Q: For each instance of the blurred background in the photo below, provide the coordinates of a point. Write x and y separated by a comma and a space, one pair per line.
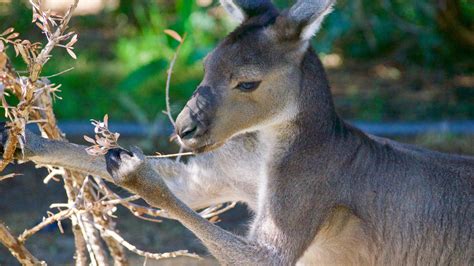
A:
388, 61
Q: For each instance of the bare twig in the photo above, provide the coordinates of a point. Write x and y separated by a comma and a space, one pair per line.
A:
87, 239
156, 256
51, 219
213, 211
16, 248
180, 39
170, 72
8, 176
171, 155
60, 73
137, 210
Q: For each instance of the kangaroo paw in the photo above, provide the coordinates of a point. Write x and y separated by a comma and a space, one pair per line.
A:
122, 165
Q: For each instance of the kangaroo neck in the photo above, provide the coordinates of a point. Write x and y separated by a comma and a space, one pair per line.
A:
315, 127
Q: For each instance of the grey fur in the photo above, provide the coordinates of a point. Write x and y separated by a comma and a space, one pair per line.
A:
244, 9
306, 11
322, 191
310, 15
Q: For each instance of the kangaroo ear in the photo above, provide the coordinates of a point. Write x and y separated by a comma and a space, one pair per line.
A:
244, 9
308, 15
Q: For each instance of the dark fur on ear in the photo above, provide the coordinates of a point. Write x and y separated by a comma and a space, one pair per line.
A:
244, 9
286, 29
302, 20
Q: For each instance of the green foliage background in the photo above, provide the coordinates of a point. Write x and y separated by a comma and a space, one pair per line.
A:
123, 56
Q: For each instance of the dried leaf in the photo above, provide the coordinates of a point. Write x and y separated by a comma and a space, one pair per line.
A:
24, 53
103, 142
73, 41
35, 16
17, 52
47, 27
7, 31
13, 35
214, 219
173, 34
93, 150
51, 20
104, 139
71, 53
42, 20
89, 139
106, 121
47, 14
40, 26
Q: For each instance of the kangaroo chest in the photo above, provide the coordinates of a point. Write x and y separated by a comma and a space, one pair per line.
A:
342, 240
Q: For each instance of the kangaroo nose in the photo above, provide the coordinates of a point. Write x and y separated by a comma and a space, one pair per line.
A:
194, 120
188, 131
187, 127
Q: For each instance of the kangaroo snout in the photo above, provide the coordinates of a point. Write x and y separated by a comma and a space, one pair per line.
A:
196, 117
186, 127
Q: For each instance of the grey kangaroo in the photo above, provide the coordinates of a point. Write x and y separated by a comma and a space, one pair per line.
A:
266, 133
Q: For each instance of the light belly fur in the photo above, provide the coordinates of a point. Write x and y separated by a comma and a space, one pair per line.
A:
342, 240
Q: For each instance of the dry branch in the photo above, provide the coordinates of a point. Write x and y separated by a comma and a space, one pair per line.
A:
53, 39
17, 249
51, 219
35, 96
180, 39
90, 204
156, 256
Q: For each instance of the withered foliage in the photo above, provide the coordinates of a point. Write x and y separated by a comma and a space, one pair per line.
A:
91, 203
104, 139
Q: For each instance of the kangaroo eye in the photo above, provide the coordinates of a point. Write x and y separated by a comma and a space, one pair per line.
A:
248, 86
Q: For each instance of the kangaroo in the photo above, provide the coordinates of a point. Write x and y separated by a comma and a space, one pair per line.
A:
266, 133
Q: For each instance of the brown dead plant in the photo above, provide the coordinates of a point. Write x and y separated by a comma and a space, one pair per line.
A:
91, 203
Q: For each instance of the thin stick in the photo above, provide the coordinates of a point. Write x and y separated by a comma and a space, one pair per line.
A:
171, 155
121, 200
4, 177
168, 82
51, 219
17, 249
134, 249
214, 211
135, 209
60, 73
87, 240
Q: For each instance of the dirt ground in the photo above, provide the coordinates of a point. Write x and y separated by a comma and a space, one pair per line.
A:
24, 200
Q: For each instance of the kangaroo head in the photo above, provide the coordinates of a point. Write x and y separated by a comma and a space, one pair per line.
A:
252, 77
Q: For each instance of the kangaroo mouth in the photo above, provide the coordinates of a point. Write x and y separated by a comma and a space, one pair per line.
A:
208, 147
199, 144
